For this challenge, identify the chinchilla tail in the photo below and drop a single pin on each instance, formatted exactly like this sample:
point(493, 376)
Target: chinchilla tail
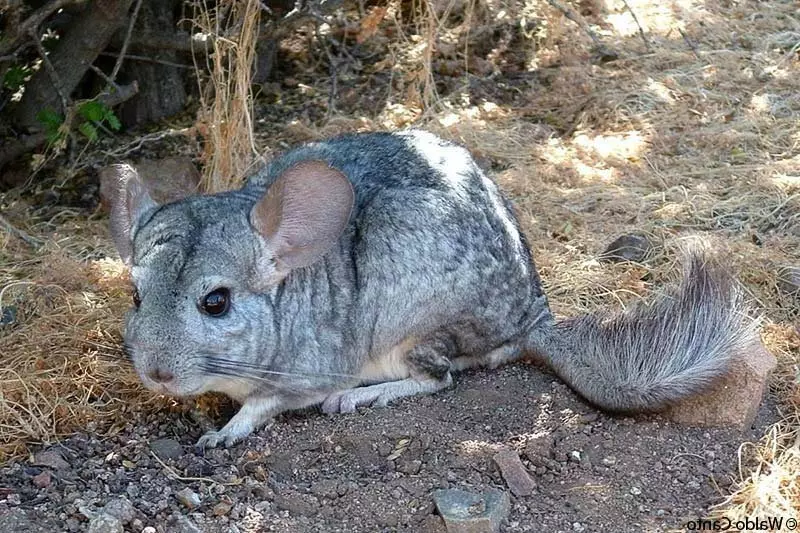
point(650, 356)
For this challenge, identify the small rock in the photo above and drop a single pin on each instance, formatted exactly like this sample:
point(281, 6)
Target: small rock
point(633, 247)
point(610, 460)
point(42, 479)
point(122, 508)
point(105, 523)
point(577, 526)
point(17, 520)
point(467, 512)
point(51, 458)
point(188, 498)
point(636, 491)
point(149, 529)
point(410, 467)
point(514, 472)
point(789, 280)
point(575, 456)
point(183, 524)
point(734, 399)
point(222, 508)
point(167, 448)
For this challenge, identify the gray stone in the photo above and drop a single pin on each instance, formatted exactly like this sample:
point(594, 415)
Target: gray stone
point(51, 458)
point(184, 524)
point(188, 498)
point(467, 512)
point(514, 472)
point(633, 247)
point(17, 520)
point(122, 508)
point(105, 523)
point(167, 448)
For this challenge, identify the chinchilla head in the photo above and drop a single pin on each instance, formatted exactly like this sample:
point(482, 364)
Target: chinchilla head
point(202, 268)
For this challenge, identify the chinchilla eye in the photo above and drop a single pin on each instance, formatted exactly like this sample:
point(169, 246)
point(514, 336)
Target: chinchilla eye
point(137, 301)
point(216, 302)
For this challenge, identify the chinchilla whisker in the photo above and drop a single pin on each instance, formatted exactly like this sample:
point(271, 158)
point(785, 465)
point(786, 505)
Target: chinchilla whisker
point(233, 364)
point(254, 374)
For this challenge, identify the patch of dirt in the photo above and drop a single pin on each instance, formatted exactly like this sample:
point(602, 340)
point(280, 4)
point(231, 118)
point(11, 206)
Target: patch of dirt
point(376, 470)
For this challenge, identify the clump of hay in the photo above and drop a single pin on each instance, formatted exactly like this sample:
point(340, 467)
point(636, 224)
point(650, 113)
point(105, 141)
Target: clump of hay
point(225, 116)
point(61, 364)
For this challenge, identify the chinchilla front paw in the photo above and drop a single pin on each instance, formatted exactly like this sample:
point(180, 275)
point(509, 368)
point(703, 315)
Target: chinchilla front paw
point(214, 438)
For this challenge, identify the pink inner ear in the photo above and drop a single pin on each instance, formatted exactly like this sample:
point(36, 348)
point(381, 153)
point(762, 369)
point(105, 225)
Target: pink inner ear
point(304, 212)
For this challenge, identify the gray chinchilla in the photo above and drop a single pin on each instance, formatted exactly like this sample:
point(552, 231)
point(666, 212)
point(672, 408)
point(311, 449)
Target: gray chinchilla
point(366, 268)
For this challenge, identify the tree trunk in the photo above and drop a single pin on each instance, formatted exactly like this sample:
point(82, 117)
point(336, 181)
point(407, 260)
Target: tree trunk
point(76, 51)
point(162, 92)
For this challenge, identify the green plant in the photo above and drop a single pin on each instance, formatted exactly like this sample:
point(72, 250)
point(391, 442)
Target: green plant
point(92, 115)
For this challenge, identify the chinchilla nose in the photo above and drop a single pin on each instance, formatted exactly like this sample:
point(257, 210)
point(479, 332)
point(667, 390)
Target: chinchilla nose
point(159, 375)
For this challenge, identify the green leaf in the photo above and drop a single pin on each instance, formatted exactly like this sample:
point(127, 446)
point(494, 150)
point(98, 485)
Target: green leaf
point(50, 119)
point(14, 77)
point(113, 121)
point(92, 110)
point(88, 130)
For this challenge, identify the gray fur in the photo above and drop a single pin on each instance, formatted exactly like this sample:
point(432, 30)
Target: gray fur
point(430, 274)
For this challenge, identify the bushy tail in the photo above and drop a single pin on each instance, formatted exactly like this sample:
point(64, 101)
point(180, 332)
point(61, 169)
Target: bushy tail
point(650, 356)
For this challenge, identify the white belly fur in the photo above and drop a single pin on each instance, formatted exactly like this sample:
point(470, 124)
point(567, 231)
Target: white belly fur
point(391, 366)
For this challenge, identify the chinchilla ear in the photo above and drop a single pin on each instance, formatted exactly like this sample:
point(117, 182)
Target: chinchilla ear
point(303, 213)
point(126, 195)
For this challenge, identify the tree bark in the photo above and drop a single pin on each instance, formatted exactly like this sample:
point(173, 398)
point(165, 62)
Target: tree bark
point(161, 87)
point(75, 52)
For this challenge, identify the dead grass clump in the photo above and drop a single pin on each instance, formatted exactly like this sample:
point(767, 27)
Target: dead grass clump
point(61, 365)
point(225, 116)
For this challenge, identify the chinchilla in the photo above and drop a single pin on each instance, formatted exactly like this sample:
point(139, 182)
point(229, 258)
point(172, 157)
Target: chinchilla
point(369, 267)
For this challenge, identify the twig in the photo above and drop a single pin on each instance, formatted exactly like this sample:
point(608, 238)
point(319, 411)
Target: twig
point(606, 52)
point(105, 76)
point(689, 43)
point(127, 41)
point(31, 241)
point(148, 60)
point(577, 19)
point(51, 72)
point(636, 20)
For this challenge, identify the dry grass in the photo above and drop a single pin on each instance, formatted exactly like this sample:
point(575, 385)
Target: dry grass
point(225, 116)
point(700, 135)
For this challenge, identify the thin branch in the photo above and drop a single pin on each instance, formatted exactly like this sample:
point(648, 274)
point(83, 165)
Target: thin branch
point(636, 20)
point(605, 52)
point(51, 72)
point(689, 43)
point(149, 60)
point(127, 41)
point(30, 241)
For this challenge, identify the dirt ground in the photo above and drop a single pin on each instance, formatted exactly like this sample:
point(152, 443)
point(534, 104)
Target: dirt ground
point(375, 470)
point(695, 132)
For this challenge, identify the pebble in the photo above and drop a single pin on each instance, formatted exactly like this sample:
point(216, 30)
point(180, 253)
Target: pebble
point(122, 508)
point(188, 498)
point(636, 491)
point(167, 448)
point(42, 480)
point(466, 512)
point(105, 523)
point(610, 460)
point(632, 247)
point(577, 526)
point(51, 458)
point(514, 472)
